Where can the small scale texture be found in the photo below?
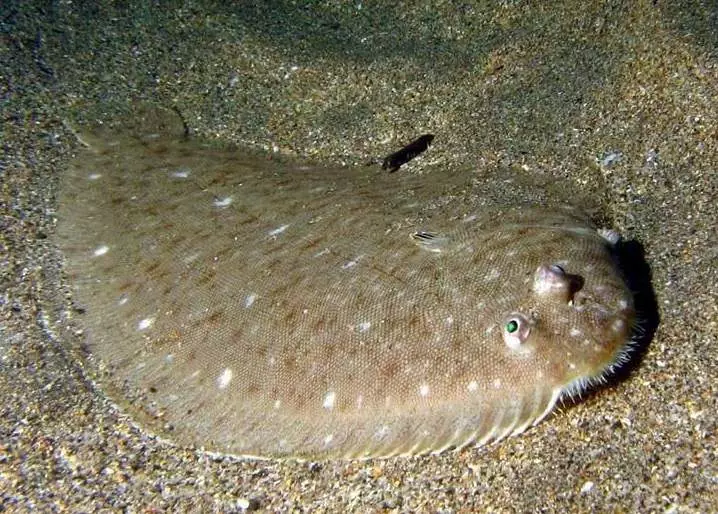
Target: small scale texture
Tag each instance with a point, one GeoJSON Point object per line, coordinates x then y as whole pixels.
{"type": "Point", "coordinates": [273, 310]}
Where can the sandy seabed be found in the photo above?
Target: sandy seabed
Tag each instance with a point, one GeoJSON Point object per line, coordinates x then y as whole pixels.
{"type": "Point", "coordinates": [620, 99]}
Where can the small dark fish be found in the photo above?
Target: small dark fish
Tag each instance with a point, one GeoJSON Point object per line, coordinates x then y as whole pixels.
{"type": "Point", "coordinates": [394, 161]}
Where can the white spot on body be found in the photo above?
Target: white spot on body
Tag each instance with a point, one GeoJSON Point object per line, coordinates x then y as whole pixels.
{"type": "Point", "coordinates": [101, 250]}
{"type": "Point", "coordinates": [364, 326]}
{"type": "Point", "coordinates": [223, 202]}
{"type": "Point", "coordinates": [449, 320]}
{"type": "Point", "coordinates": [191, 258]}
{"type": "Point", "coordinates": [180, 173]}
{"type": "Point", "coordinates": [424, 390]}
{"type": "Point", "coordinates": [473, 386]}
{"type": "Point", "coordinates": [497, 383]}
{"type": "Point", "coordinates": [123, 300]}
{"type": "Point", "coordinates": [94, 176]}
{"type": "Point", "coordinates": [249, 300]}
{"type": "Point", "coordinates": [329, 399]}
{"type": "Point", "coordinates": [224, 378]}
{"type": "Point", "coordinates": [492, 275]}
{"type": "Point", "coordinates": [351, 263]}
{"type": "Point", "coordinates": [328, 439]}
{"type": "Point", "coordinates": [278, 230]}
{"type": "Point", "coordinates": [575, 332]}
{"type": "Point", "coordinates": [146, 323]}
{"type": "Point", "coordinates": [323, 252]}
{"type": "Point", "coordinates": [277, 404]}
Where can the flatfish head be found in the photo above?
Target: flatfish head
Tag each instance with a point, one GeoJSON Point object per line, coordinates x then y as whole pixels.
{"type": "Point", "coordinates": [273, 310]}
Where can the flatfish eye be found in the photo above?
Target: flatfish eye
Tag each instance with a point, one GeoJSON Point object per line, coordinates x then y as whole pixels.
{"type": "Point", "coordinates": [557, 269]}
{"type": "Point", "coordinates": [516, 330]}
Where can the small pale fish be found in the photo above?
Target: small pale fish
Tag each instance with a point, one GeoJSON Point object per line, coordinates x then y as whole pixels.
{"type": "Point", "coordinates": [270, 310]}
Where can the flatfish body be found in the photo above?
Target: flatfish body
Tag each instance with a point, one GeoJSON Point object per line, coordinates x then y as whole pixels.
{"type": "Point", "coordinates": [265, 309]}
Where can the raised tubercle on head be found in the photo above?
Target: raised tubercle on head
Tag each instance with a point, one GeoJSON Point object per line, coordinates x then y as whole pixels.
{"type": "Point", "coordinates": [552, 281]}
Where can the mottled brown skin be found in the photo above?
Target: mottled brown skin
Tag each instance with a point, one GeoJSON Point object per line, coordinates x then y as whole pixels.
{"type": "Point", "coordinates": [275, 311]}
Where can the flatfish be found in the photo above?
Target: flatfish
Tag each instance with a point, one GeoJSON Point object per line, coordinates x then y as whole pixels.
{"type": "Point", "coordinates": [266, 309]}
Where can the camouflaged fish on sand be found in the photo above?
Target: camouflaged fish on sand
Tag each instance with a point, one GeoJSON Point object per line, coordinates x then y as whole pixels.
{"type": "Point", "coordinates": [272, 310]}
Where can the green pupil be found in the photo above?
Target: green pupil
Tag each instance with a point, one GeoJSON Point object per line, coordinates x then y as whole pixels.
{"type": "Point", "coordinates": [512, 326]}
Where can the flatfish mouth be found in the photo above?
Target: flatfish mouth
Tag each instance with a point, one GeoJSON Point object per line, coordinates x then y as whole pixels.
{"type": "Point", "coordinates": [272, 310]}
